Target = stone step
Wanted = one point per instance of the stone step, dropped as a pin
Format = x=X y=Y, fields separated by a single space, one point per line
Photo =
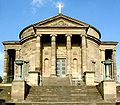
x=56 y=81
x=5 y=92
x=64 y=94
x=60 y=103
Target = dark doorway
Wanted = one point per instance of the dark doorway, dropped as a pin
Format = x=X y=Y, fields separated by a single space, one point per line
x=108 y=54
x=76 y=40
x=11 y=59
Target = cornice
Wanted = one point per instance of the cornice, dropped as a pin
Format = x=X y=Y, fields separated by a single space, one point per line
x=11 y=42
x=94 y=39
x=109 y=43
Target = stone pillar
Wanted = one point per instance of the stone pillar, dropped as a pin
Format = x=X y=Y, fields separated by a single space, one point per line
x=17 y=56
x=53 y=55
x=102 y=65
x=107 y=72
x=68 y=46
x=114 y=65
x=38 y=54
x=5 y=66
x=84 y=53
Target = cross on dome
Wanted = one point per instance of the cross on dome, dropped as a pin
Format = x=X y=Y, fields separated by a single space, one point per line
x=60 y=7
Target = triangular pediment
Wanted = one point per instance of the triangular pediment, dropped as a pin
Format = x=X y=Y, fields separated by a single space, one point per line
x=61 y=21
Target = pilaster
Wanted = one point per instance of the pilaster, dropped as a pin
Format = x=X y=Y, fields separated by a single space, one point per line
x=102 y=54
x=53 y=54
x=16 y=67
x=68 y=46
x=114 y=65
x=38 y=54
x=84 y=53
x=5 y=66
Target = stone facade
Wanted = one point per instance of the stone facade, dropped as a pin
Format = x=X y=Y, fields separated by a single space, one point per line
x=59 y=47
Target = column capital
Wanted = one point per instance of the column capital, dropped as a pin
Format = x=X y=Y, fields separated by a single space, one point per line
x=102 y=50
x=38 y=35
x=53 y=35
x=68 y=35
x=114 y=50
x=83 y=35
x=17 y=49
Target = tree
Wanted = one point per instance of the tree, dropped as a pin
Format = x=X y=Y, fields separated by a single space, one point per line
x=1 y=79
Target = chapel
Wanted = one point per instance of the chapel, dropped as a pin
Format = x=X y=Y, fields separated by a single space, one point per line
x=59 y=47
x=60 y=61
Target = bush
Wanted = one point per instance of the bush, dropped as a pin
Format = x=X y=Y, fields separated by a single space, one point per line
x=1 y=79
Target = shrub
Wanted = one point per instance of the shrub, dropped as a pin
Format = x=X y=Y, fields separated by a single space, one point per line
x=1 y=79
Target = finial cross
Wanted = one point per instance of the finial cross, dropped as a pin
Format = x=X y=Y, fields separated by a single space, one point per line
x=60 y=7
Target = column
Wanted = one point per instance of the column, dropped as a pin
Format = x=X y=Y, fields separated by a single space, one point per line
x=17 y=56
x=5 y=66
x=84 y=53
x=107 y=72
x=68 y=46
x=114 y=65
x=102 y=64
x=38 y=54
x=53 y=55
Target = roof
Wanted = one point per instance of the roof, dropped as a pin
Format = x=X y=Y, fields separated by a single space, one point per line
x=45 y=23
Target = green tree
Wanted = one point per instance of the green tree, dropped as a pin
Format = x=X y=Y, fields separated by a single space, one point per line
x=1 y=79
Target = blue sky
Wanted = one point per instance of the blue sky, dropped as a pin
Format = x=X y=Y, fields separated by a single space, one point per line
x=17 y=14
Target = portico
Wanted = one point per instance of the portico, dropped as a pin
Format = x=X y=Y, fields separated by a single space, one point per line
x=61 y=50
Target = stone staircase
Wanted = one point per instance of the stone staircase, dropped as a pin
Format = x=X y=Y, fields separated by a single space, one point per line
x=70 y=94
x=57 y=92
x=63 y=95
x=54 y=81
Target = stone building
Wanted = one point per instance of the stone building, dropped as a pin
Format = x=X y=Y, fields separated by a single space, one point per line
x=59 y=47
x=57 y=50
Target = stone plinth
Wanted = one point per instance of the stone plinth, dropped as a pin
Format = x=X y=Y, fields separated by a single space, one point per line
x=33 y=78
x=109 y=89
x=18 y=90
x=89 y=77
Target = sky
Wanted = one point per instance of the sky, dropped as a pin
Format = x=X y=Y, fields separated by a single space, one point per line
x=17 y=14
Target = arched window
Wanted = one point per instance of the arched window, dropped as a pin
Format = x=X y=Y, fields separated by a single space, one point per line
x=75 y=65
x=46 y=66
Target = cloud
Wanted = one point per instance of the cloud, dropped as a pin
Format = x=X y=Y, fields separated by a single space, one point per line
x=36 y=4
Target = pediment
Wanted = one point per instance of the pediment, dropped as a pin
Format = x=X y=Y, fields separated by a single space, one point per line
x=60 y=21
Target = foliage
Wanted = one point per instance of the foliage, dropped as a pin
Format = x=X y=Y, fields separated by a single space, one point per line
x=1 y=79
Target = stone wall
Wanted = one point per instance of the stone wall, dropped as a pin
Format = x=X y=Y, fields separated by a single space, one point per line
x=93 y=63
x=28 y=49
